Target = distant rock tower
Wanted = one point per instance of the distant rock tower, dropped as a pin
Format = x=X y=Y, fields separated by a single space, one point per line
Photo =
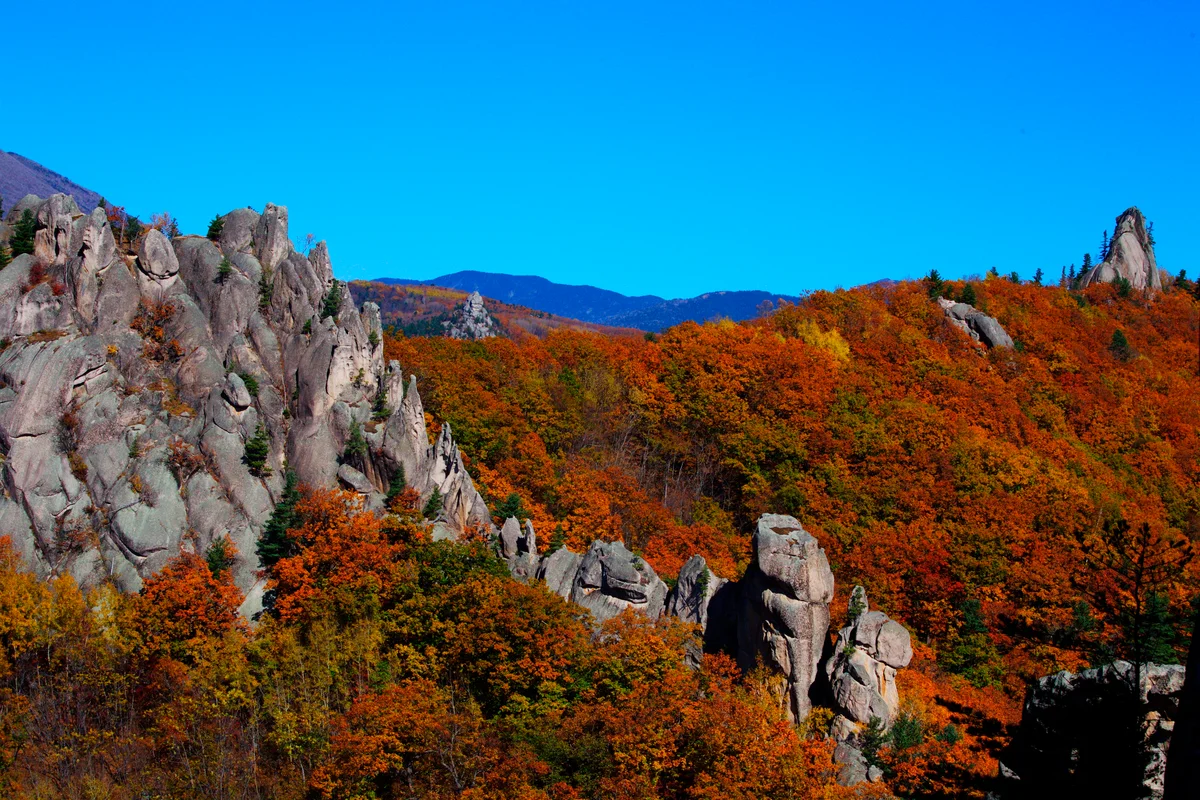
x=1130 y=255
x=472 y=321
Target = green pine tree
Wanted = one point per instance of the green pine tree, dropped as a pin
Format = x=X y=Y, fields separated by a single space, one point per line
x=219 y=556
x=22 y=237
x=257 y=450
x=511 y=506
x=274 y=543
x=215 y=227
x=333 y=301
x=5 y=257
x=356 y=445
x=433 y=506
x=1038 y=276
x=935 y=284
x=558 y=540
x=224 y=270
x=380 y=409
x=133 y=227
x=1119 y=346
x=266 y=288
x=968 y=295
x=398 y=483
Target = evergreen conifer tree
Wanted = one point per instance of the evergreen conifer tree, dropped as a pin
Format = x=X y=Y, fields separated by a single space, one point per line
x=22 y=237
x=266 y=288
x=356 y=445
x=5 y=257
x=1104 y=246
x=380 y=409
x=398 y=483
x=935 y=284
x=433 y=506
x=257 y=450
x=333 y=301
x=1071 y=274
x=968 y=294
x=274 y=543
x=1038 y=277
x=215 y=227
x=224 y=270
x=1119 y=345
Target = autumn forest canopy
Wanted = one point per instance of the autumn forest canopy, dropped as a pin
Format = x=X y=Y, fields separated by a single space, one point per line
x=991 y=500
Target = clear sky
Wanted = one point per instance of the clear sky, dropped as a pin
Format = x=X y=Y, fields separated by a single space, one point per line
x=647 y=147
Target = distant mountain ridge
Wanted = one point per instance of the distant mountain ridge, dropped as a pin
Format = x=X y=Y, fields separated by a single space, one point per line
x=20 y=176
x=601 y=306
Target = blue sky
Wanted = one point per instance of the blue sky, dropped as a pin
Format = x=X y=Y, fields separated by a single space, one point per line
x=666 y=148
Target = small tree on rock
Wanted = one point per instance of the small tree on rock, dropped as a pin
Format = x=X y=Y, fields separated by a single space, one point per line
x=224 y=270
x=968 y=295
x=22 y=237
x=398 y=484
x=935 y=284
x=257 y=450
x=216 y=227
x=333 y=301
x=433 y=506
x=356 y=445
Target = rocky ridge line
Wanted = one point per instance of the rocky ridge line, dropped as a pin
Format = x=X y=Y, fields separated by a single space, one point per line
x=130 y=386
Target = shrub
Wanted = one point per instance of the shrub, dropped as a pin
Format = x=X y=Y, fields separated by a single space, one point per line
x=183 y=460
x=251 y=383
x=5 y=256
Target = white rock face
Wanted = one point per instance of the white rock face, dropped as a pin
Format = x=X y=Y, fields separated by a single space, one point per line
x=1130 y=255
x=99 y=437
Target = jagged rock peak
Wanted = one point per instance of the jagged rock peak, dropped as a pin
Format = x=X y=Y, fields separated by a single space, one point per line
x=1130 y=255
x=129 y=414
x=472 y=320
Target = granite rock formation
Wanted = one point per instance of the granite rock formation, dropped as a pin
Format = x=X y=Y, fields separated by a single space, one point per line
x=472 y=321
x=126 y=400
x=862 y=670
x=1130 y=255
x=973 y=322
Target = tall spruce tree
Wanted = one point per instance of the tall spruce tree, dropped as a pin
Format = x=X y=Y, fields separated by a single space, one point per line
x=22 y=237
x=274 y=544
x=257 y=450
x=433 y=506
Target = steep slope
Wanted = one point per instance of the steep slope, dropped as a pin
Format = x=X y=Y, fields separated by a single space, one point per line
x=20 y=176
x=152 y=401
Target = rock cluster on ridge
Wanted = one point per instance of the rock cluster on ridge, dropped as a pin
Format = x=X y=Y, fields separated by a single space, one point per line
x=862 y=671
x=777 y=615
x=130 y=386
x=1130 y=255
x=975 y=323
x=472 y=320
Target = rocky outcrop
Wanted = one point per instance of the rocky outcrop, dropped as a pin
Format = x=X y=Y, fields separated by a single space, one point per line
x=472 y=320
x=783 y=616
x=1130 y=255
x=1089 y=734
x=862 y=670
x=973 y=322
x=130 y=386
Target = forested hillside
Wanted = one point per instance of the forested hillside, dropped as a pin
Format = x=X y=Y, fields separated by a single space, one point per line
x=985 y=497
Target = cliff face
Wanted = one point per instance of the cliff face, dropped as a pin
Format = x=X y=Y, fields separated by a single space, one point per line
x=132 y=385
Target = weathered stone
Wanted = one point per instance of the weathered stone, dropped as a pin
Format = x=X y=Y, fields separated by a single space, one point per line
x=783 y=618
x=976 y=324
x=611 y=579
x=1130 y=255
x=472 y=320
x=862 y=668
